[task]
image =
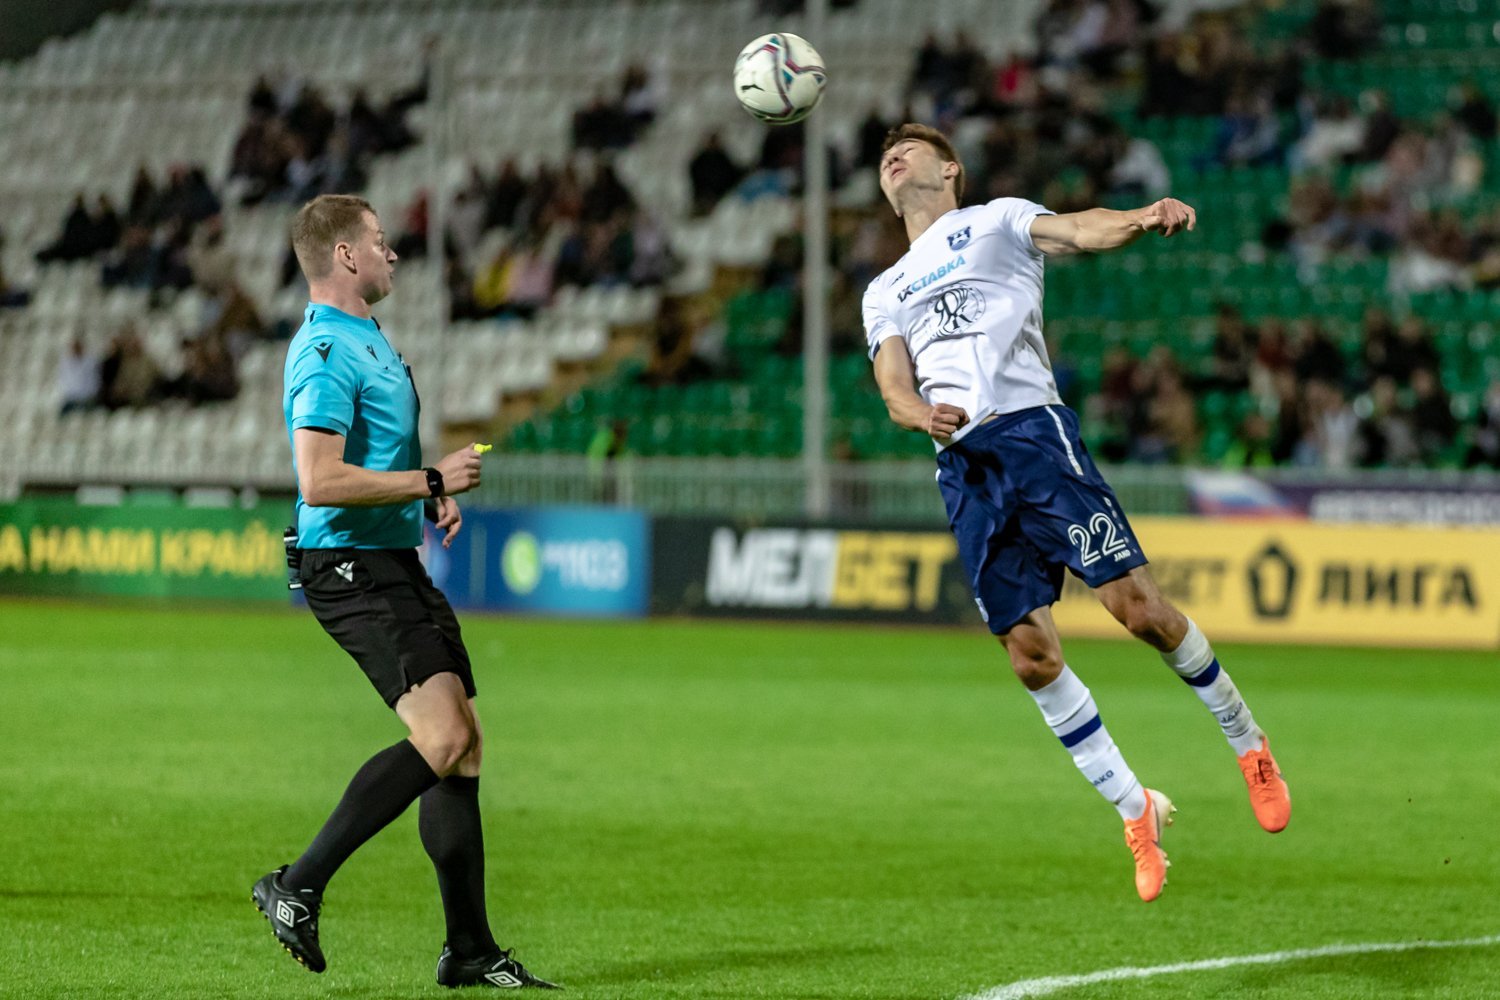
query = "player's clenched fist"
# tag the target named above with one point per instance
(460, 470)
(1168, 216)
(945, 420)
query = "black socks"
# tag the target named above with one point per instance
(379, 792)
(452, 835)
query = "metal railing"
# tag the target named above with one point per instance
(892, 492)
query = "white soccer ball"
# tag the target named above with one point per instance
(779, 78)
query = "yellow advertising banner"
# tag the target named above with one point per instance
(1298, 581)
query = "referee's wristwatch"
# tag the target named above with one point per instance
(434, 482)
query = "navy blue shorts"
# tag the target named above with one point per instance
(1025, 501)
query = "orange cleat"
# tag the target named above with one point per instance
(1269, 796)
(1143, 837)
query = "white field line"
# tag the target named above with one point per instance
(1048, 985)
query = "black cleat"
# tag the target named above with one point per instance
(293, 917)
(497, 969)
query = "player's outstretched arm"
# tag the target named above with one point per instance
(897, 378)
(1099, 229)
(326, 480)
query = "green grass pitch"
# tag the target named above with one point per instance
(704, 810)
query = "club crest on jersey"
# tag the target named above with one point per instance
(959, 240)
(957, 309)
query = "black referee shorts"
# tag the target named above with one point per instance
(381, 607)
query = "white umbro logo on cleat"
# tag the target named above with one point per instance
(345, 570)
(291, 913)
(504, 980)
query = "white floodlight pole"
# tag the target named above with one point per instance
(440, 114)
(815, 296)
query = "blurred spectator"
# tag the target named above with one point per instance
(1344, 29)
(651, 260)
(310, 120)
(673, 358)
(141, 209)
(106, 223)
(1473, 110)
(605, 198)
(1335, 134)
(234, 318)
(1291, 416)
(640, 93)
(1249, 133)
(1233, 351)
(870, 138)
(77, 378)
(1173, 422)
(261, 154)
(602, 124)
(1432, 416)
(466, 217)
(609, 447)
(517, 281)
(504, 196)
(1484, 450)
(231, 314)
(1381, 126)
(134, 263)
(208, 374)
(1254, 445)
(128, 375)
(1386, 433)
(77, 240)
(187, 197)
(1273, 355)
(412, 241)
(1138, 171)
(714, 174)
(1315, 355)
(1329, 428)
(1412, 349)
(929, 72)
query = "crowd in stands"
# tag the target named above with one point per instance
(570, 224)
(148, 244)
(614, 122)
(295, 144)
(1295, 396)
(128, 375)
(1036, 127)
(1047, 125)
(168, 238)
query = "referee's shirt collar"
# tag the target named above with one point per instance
(329, 312)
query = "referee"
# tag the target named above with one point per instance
(351, 411)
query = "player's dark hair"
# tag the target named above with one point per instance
(935, 139)
(322, 224)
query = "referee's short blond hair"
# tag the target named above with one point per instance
(321, 225)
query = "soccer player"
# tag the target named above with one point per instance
(351, 412)
(955, 333)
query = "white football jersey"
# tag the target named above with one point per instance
(967, 299)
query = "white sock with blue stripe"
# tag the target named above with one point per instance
(1069, 710)
(1193, 660)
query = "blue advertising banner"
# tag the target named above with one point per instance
(584, 561)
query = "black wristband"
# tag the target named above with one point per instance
(434, 482)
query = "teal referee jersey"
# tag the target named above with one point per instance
(343, 375)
